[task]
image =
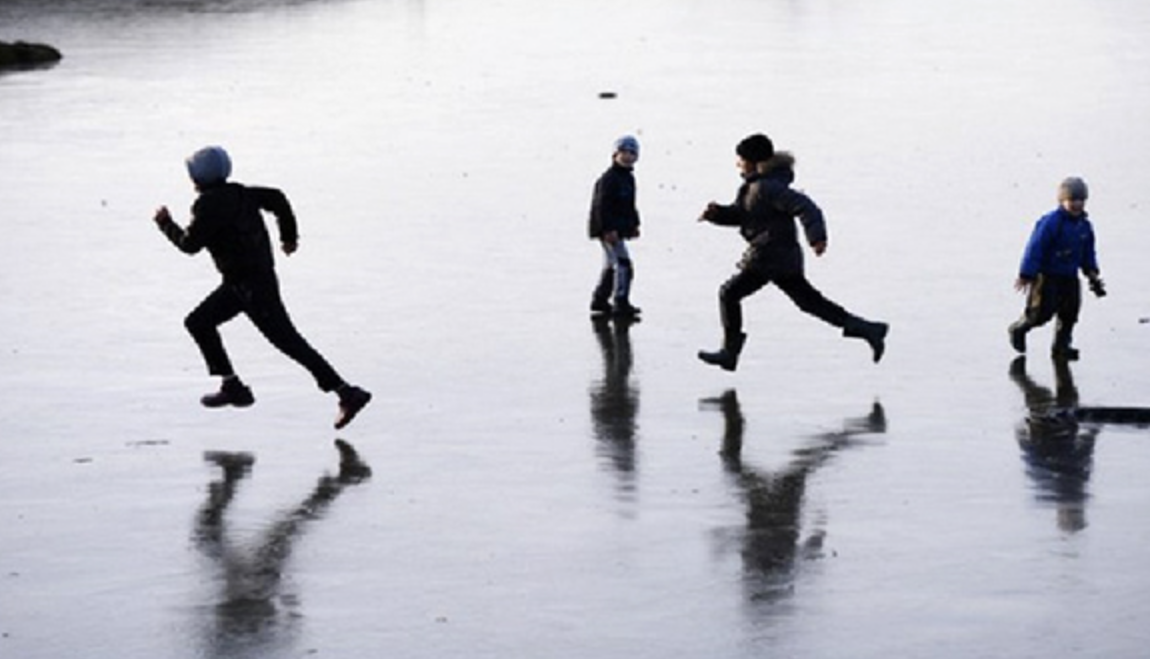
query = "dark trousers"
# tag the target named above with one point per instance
(1053, 297)
(259, 299)
(795, 286)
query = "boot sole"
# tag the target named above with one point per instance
(707, 359)
(216, 406)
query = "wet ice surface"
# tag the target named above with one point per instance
(544, 486)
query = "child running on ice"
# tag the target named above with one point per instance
(765, 211)
(227, 220)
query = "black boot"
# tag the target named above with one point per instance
(624, 309)
(352, 399)
(232, 392)
(872, 333)
(1018, 332)
(727, 357)
(600, 298)
(1062, 350)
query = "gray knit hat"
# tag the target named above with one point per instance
(627, 143)
(210, 164)
(1072, 187)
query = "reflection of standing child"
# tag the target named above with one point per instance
(1061, 244)
(227, 220)
(765, 211)
(615, 220)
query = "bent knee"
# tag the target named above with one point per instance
(195, 323)
(730, 292)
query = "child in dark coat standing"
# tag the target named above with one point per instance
(1061, 244)
(765, 211)
(227, 221)
(615, 220)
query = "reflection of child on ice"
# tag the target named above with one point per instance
(615, 220)
(1061, 244)
(227, 221)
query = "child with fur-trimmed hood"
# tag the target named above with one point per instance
(764, 211)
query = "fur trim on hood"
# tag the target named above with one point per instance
(780, 161)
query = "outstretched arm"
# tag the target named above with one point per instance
(722, 215)
(189, 241)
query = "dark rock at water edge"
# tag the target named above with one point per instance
(24, 54)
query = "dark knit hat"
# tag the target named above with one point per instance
(756, 148)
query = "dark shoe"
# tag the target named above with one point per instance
(1018, 337)
(727, 357)
(601, 308)
(873, 333)
(232, 392)
(352, 399)
(624, 309)
(1066, 353)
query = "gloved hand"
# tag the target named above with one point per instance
(1097, 286)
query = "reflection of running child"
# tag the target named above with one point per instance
(615, 220)
(765, 211)
(1061, 244)
(256, 602)
(227, 220)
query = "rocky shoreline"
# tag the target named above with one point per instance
(23, 54)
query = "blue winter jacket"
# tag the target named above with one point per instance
(1061, 245)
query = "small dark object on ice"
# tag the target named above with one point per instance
(606, 95)
(1133, 416)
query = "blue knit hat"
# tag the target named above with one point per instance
(210, 164)
(627, 143)
(1072, 187)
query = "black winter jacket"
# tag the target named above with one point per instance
(613, 204)
(765, 210)
(227, 220)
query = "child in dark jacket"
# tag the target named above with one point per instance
(765, 211)
(615, 220)
(1061, 244)
(227, 220)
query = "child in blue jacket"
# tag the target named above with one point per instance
(1061, 244)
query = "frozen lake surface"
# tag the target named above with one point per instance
(545, 486)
